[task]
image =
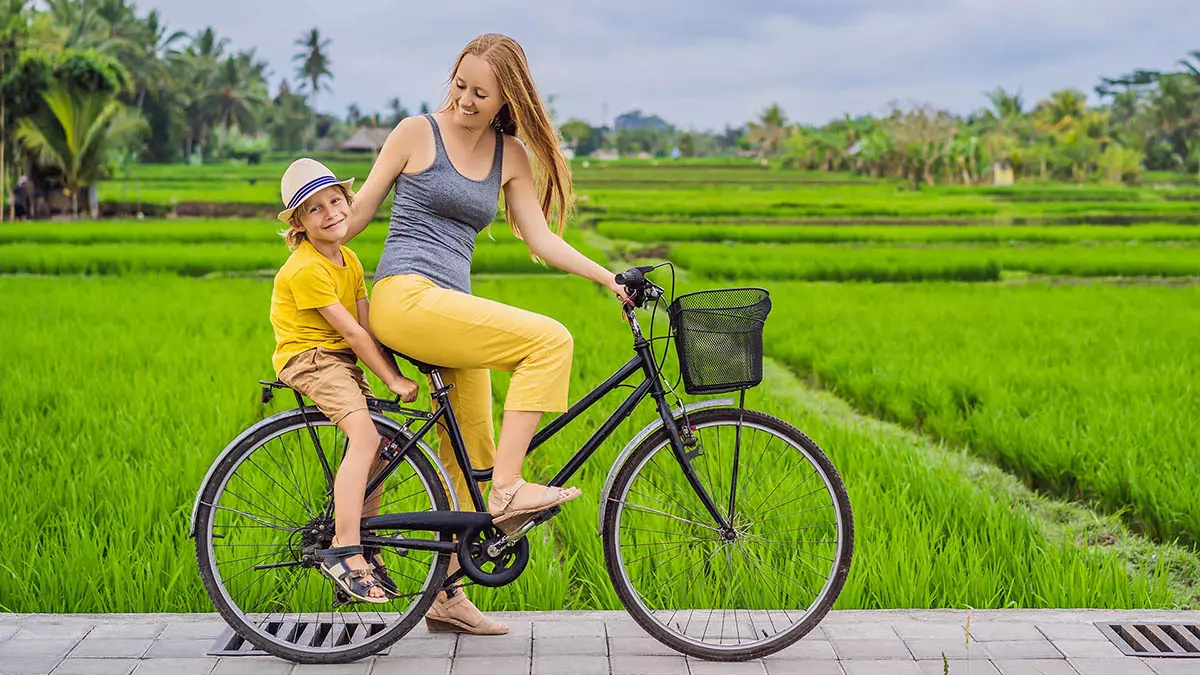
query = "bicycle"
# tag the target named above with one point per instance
(727, 533)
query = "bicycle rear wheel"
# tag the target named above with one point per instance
(738, 594)
(265, 511)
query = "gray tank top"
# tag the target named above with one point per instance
(436, 215)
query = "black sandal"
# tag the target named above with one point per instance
(386, 582)
(350, 580)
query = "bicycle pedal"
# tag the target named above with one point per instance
(545, 516)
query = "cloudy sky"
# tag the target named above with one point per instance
(705, 63)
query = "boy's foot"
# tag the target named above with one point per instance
(346, 566)
(511, 507)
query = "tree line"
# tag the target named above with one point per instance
(90, 86)
(1144, 121)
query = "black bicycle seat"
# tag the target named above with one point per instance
(424, 368)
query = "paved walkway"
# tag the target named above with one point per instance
(1002, 642)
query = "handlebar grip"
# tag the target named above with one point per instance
(634, 276)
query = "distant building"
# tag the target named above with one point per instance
(605, 154)
(1002, 174)
(367, 139)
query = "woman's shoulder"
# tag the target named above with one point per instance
(516, 159)
(415, 128)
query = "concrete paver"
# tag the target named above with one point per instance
(893, 642)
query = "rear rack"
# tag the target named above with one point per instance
(375, 404)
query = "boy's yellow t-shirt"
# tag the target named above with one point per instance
(309, 280)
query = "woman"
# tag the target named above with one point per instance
(448, 169)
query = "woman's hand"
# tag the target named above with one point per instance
(611, 283)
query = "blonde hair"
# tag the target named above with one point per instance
(295, 235)
(524, 116)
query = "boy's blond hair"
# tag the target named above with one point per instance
(295, 235)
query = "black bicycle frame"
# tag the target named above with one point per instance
(651, 384)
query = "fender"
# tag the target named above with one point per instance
(385, 422)
(643, 435)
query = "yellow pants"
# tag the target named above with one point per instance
(467, 337)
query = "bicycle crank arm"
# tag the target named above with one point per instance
(509, 540)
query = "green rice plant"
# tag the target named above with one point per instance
(867, 262)
(874, 200)
(120, 392)
(783, 234)
(227, 246)
(1087, 392)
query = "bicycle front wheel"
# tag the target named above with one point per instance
(745, 592)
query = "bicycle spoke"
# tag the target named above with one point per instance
(729, 590)
(273, 504)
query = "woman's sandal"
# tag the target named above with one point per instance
(351, 581)
(453, 616)
(386, 582)
(509, 519)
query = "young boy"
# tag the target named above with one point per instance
(319, 311)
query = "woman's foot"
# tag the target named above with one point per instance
(512, 506)
(458, 615)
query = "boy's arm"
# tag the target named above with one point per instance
(363, 344)
(364, 307)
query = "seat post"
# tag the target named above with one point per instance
(435, 377)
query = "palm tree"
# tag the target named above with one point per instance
(314, 63)
(770, 130)
(150, 67)
(1007, 105)
(238, 95)
(13, 23)
(195, 70)
(399, 112)
(76, 136)
(1192, 68)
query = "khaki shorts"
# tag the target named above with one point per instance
(331, 378)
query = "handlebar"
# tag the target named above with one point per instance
(639, 288)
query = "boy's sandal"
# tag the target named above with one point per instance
(351, 581)
(509, 519)
(386, 582)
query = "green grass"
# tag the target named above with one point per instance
(1088, 392)
(733, 201)
(199, 247)
(785, 234)
(121, 391)
(868, 262)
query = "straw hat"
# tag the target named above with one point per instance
(303, 179)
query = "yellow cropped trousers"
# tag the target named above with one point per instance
(468, 336)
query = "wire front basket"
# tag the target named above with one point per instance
(718, 335)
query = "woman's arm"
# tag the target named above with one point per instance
(523, 208)
(393, 157)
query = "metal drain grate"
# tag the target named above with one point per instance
(1154, 639)
(307, 633)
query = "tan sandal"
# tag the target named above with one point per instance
(509, 519)
(459, 615)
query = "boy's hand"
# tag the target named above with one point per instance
(405, 388)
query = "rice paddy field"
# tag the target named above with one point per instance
(1006, 379)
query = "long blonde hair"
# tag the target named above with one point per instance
(524, 116)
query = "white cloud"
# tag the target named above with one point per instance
(704, 63)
